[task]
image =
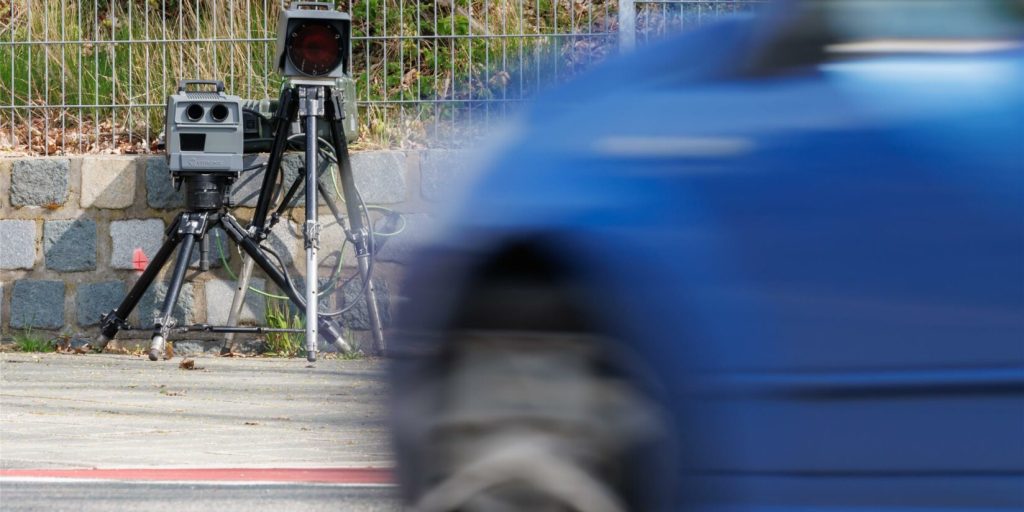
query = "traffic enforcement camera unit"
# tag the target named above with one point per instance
(313, 41)
(204, 130)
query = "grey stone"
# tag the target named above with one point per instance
(380, 176)
(17, 244)
(286, 240)
(128, 235)
(40, 182)
(37, 303)
(332, 239)
(70, 245)
(160, 191)
(1, 306)
(441, 172)
(220, 294)
(108, 182)
(95, 299)
(189, 347)
(153, 300)
(226, 248)
(359, 316)
(401, 248)
(246, 190)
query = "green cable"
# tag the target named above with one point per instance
(224, 261)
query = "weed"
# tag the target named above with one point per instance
(29, 341)
(280, 316)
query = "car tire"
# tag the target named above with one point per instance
(516, 418)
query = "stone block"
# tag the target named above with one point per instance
(160, 191)
(441, 172)
(153, 300)
(246, 190)
(17, 244)
(359, 316)
(37, 304)
(219, 295)
(419, 228)
(332, 239)
(128, 235)
(286, 241)
(380, 176)
(108, 182)
(95, 299)
(40, 182)
(70, 245)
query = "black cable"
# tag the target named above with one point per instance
(254, 112)
(369, 267)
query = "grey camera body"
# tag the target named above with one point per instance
(204, 130)
(305, 11)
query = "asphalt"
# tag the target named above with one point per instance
(65, 412)
(62, 496)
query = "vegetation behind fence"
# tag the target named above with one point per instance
(92, 75)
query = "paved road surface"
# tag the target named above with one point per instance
(107, 411)
(274, 420)
(159, 497)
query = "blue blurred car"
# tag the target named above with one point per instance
(773, 265)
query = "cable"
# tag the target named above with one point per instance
(332, 281)
(369, 268)
(330, 156)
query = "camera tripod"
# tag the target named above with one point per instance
(207, 206)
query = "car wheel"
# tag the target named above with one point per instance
(521, 419)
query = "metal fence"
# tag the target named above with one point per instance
(91, 75)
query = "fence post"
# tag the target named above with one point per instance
(627, 25)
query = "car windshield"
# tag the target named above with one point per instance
(864, 20)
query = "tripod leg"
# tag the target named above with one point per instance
(165, 320)
(117, 318)
(286, 111)
(312, 101)
(236, 304)
(359, 231)
(330, 331)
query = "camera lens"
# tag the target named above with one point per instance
(219, 112)
(315, 48)
(194, 112)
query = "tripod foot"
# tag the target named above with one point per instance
(101, 343)
(156, 348)
(311, 356)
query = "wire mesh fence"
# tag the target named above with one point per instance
(85, 76)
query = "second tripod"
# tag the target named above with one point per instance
(312, 101)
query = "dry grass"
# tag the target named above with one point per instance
(451, 54)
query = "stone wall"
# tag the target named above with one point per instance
(71, 230)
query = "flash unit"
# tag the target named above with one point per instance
(313, 40)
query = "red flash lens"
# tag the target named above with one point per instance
(315, 48)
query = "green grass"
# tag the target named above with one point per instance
(280, 316)
(29, 341)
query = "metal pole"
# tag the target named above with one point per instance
(627, 25)
(238, 302)
(311, 106)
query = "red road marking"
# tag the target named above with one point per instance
(365, 476)
(139, 259)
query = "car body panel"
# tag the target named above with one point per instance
(824, 269)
